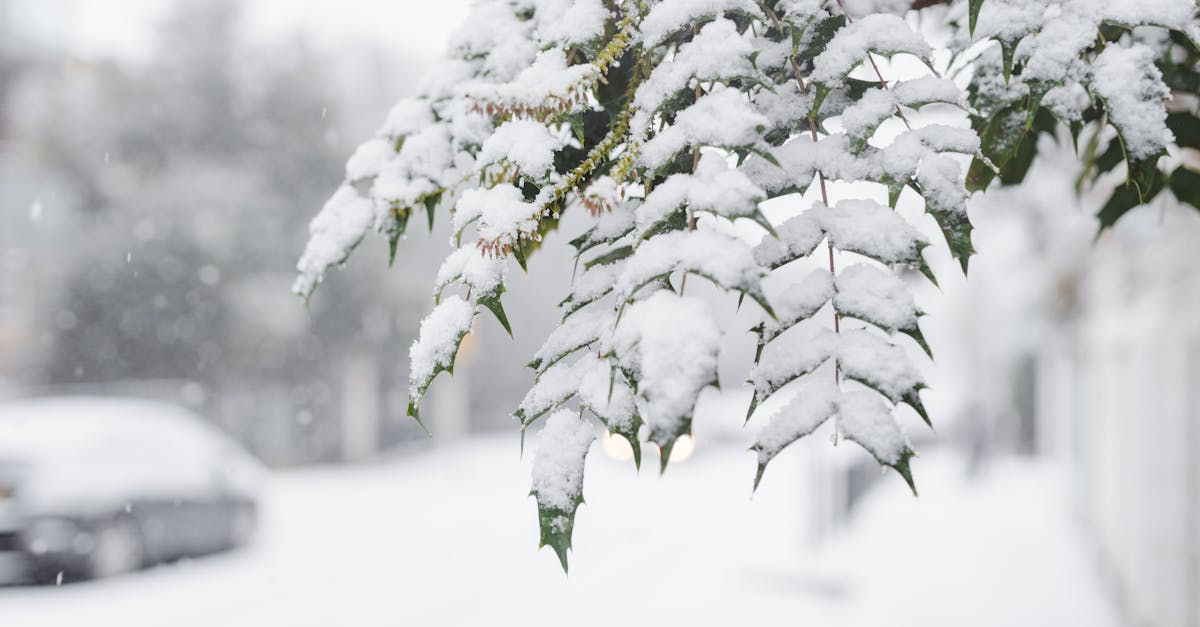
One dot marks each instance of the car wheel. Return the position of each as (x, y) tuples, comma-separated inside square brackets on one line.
[(117, 550)]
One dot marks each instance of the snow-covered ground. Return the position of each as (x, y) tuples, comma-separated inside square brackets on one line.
[(448, 537)]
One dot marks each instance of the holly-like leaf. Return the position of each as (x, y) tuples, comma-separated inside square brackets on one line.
[(442, 331), (806, 412), (558, 465), (865, 419)]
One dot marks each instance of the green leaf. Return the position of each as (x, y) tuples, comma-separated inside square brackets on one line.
[(431, 201), (973, 17), (902, 467), (417, 392), (393, 243), (1123, 199), (1186, 128), (822, 33), (611, 256), (492, 302), (556, 527), (999, 139), (1185, 184), (630, 436), (919, 338), (956, 228)]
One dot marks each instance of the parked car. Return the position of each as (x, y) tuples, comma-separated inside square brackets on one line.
[(94, 487)]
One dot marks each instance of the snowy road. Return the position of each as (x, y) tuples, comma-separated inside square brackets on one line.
[(448, 538)]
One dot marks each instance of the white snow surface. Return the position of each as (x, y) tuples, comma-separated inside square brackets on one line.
[(404, 540)]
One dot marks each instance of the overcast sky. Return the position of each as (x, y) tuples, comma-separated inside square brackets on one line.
[(122, 28)]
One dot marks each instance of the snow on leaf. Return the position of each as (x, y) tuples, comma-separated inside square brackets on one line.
[(870, 229), (558, 465), (671, 16), (813, 404), (787, 358), (881, 366), (713, 188), (577, 331), (547, 82), (864, 418), (882, 33), (604, 391), (720, 258), (592, 285), (333, 233), (799, 301), (527, 144), (873, 295), (436, 346), (570, 21), (941, 181), (504, 216), (407, 117), (724, 118), (554, 386), (796, 238), (609, 226), (483, 274), (424, 164), (862, 118), (369, 158), (1133, 92), (670, 345), (717, 52)]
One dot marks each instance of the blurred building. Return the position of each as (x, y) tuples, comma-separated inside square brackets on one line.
[(1124, 377)]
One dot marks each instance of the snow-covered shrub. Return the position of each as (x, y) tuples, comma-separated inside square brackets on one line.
[(666, 121), (1100, 70)]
